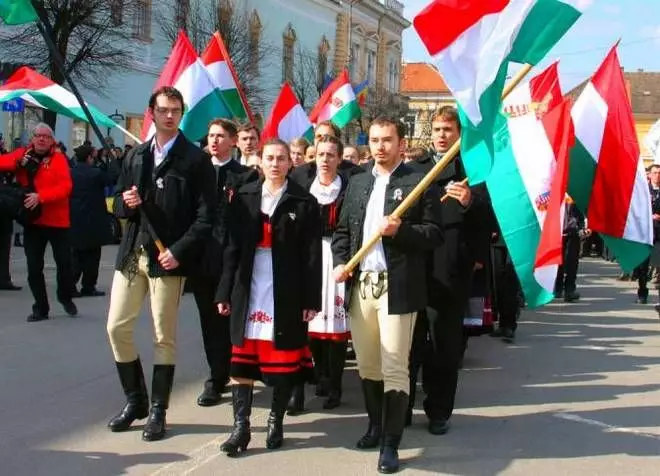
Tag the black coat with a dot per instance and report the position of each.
(179, 199)
(232, 177)
(297, 262)
(465, 235)
(405, 252)
(90, 221)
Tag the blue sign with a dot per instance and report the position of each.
(14, 105)
(362, 138)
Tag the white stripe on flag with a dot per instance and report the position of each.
(589, 117)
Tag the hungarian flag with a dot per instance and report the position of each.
(607, 178)
(40, 91)
(527, 184)
(185, 71)
(337, 104)
(473, 50)
(218, 64)
(288, 119)
(17, 12)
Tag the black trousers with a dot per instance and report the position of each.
(567, 272)
(215, 330)
(642, 273)
(85, 265)
(507, 289)
(6, 232)
(35, 240)
(329, 360)
(438, 344)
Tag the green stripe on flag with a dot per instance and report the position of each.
(346, 114)
(232, 99)
(17, 12)
(195, 122)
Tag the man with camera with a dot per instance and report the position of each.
(43, 171)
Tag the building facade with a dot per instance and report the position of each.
(427, 91)
(293, 39)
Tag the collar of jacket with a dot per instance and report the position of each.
(293, 190)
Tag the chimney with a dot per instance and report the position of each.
(629, 90)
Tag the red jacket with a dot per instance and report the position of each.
(52, 182)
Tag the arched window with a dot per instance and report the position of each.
(322, 67)
(288, 44)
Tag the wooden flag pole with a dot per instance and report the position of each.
(429, 177)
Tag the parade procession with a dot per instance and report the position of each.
(301, 253)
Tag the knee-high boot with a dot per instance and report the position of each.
(394, 417)
(137, 399)
(275, 432)
(373, 401)
(161, 388)
(241, 398)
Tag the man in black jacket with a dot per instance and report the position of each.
(166, 191)
(6, 233)
(565, 283)
(390, 286)
(230, 177)
(439, 340)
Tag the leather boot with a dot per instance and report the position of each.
(411, 399)
(296, 405)
(275, 431)
(336, 362)
(394, 419)
(137, 399)
(373, 400)
(161, 388)
(241, 399)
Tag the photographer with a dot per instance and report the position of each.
(44, 171)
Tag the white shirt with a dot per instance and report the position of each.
(375, 261)
(325, 194)
(161, 152)
(220, 163)
(269, 200)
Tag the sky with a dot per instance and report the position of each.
(635, 22)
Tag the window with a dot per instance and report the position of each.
(253, 41)
(134, 126)
(117, 12)
(79, 133)
(288, 43)
(182, 12)
(322, 67)
(142, 20)
(371, 66)
(355, 61)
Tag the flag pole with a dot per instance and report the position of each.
(46, 30)
(128, 134)
(430, 177)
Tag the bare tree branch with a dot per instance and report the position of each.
(305, 81)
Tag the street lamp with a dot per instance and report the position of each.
(116, 117)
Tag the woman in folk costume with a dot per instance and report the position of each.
(328, 331)
(271, 288)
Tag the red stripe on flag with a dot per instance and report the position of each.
(286, 101)
(443, 21)
(559, 127)
(614, 181)
(326, 97)
(546, 95)
(26, 78)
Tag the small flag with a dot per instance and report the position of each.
(17, 12)
(288, 119)
(361, 91)
(337, 104)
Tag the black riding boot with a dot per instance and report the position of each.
(394, 419)
(275, 432)
(137, 399)
(161, 388)
(296, 405)
(373, 401)
(241, 399)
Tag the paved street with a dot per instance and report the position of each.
(577, 394)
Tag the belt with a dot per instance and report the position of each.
(376, 280)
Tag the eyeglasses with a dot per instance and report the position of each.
(166, 111)
(42, 136)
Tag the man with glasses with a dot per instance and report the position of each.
(44, 171)
(166, 191)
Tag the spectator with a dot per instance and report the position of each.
(298, 148)
(351, 154)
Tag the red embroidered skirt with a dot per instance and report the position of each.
(260, 360)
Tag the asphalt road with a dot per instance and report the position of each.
(577, 394)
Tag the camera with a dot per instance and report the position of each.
(30, 163)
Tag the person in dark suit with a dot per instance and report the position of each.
(166, 191)
(439, 335)
(390, 286)
(271, 289)
(6, 233)
(643, 270)
(90, 222)
(328, 128)
(565, 283)
(230, 177)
